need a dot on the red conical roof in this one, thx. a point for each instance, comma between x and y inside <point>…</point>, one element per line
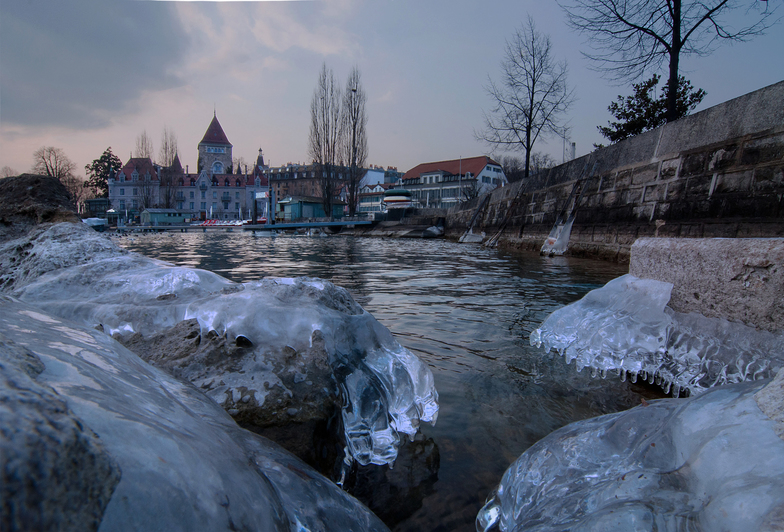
<point>215,134</point>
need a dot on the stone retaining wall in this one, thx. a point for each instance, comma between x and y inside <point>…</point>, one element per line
<point>717,173</point>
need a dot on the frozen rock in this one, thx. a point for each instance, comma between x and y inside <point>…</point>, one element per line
<point>712,463</point>
<point>626,327</point>
<point>265,341</point>
<point>56,473</point>
<point>186,465</point>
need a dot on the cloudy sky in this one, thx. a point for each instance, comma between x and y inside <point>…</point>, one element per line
<point>83,75</point>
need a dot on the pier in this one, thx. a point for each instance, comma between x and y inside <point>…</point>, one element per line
<point>249,227</point>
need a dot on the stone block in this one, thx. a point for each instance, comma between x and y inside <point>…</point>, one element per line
<point>645,174</point>
<point>769,179</point>
<point>669,168</point>
<point>622,179</point>
<point>699,185</point>
<point>734,182</point>
<point>676,189</point>
<point>719,230</point>
<point>609,198</point>
<point>643,212</point>
<point>654,192</point>
<point>722,158</point>
<point>739,279</point>
<point>763,150</point>
<point>693,164</point>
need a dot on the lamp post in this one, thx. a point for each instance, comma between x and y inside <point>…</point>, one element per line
<point>460,181</point>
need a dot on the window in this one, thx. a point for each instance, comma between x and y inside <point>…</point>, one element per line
<point>136,192</point>
<point>214,194</point>
<point>217,167</point>
<point>225,205</point>
<point>236,195</point>
<point>191,194</point>
<point>191,205</point>
<point>204,205</point>
<point>122,192</point>
<point>135,204</point>
<point>203,195</point>
<point>122,204</point>
<point>179,205</point>
<point>214,205</point>
<point>237,206</point>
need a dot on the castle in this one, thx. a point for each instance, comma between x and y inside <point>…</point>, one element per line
<point>216,191</point>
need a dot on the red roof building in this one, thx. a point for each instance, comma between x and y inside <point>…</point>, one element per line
<point>443,184</point>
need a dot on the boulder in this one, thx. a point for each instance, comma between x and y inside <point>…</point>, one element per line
<point>29,200</point>
<point>271,352</point>
<point>713,462</point>
<point>55,472</point>
<point>185,463</point>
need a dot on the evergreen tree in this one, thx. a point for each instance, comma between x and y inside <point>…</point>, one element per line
<point>99,170</point>
<point>643,110</point>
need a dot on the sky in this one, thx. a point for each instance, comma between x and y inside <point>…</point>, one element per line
<point>84,75</point>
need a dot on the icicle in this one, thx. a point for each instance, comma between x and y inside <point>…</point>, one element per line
<point>603,373</point>
<point>594,372</point>
<point>622,373</point>
<point>666,387</point>
<point>634,377</point>
<point>676,390</point>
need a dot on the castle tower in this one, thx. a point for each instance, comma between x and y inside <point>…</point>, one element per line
<point>215,150</point>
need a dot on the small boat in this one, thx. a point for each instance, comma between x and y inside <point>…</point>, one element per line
<point>397,198</point>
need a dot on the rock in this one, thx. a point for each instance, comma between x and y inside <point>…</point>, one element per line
<point>712,462</point>
<point>56,473</point>
<point>186,465</point>
<point>738,279</point>
<point>29,200</point>
<point>260,349</point>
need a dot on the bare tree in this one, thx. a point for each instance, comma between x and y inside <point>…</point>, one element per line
<point>7,171</point>
<point>168,147</point>
<point>51,161</point>
<point>633,37</point>
<point>354,146</point>
<point>540,162</point>
<point>531,97</point>
<point>144,146</point>
<point>325,120</point>
<point>469,190</point>
<point>75,187</point>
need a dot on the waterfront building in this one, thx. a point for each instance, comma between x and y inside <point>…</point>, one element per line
<point>442,184</point>
<point>371,198</point>
<point>216,191</point>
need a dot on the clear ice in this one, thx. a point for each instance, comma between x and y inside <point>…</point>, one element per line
<point>387,390</point>
<point>626,327</point>
<point>712,462</point>
<point>185,464</point>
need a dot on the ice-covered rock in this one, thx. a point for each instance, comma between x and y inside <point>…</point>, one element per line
<point>185,463</point>
<point>626,327</point>
<point>712,462</point>
<point>55,474</point>
<point>278,335</point>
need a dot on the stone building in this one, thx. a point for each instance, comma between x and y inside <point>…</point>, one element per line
<point>214,192</point>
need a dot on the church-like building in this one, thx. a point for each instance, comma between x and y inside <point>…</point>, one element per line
<point>216,191</point>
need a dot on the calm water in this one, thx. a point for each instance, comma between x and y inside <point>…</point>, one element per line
<point>468,313</point>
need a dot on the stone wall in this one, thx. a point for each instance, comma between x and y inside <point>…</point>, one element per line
<point>717,173</point>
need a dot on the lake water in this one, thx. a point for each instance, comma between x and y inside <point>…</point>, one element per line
<point>467,312</point>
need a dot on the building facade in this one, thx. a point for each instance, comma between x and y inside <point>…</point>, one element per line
<point>443,184</point>
<point>216,191</point>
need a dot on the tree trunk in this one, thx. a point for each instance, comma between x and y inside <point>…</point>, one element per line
<point>675,52</point>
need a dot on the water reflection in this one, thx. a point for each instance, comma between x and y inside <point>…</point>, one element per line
<point>467,312</point>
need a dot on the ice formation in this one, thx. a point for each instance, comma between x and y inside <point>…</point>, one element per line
<point>712,462</point>
<point>185,464</point>
<point>387,389</point>
<point>626,327</point>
